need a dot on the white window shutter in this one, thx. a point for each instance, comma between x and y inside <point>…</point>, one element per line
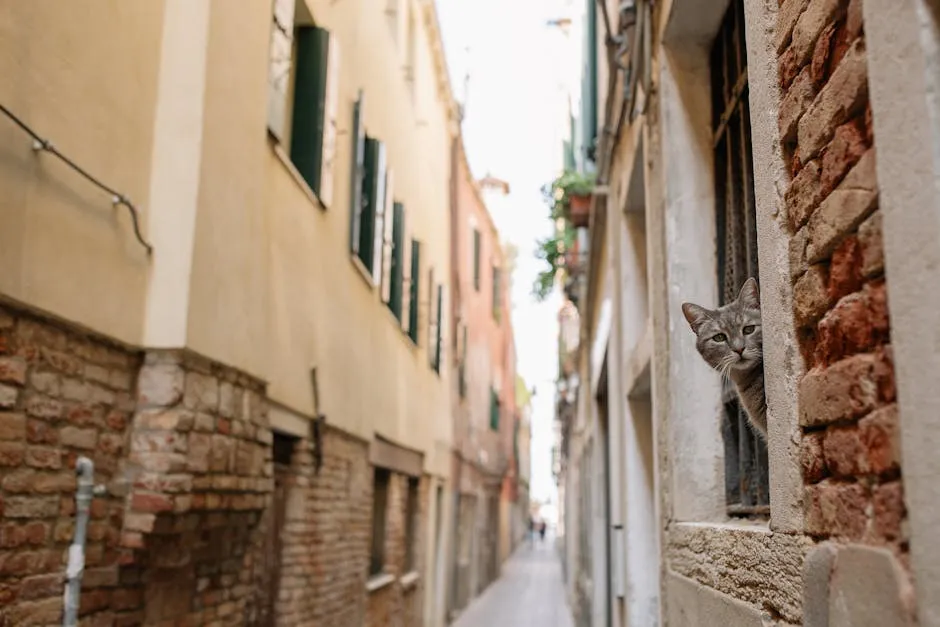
<point>386,235</point>
<point>380,214</point>
<point>328,171</point>
<point>279,69</point>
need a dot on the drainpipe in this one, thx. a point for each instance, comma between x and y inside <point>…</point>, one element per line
<point>85,492</point>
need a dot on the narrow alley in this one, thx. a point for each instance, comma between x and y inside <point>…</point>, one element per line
<point>529,593</point>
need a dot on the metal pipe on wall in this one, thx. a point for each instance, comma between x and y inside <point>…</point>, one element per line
<point>84,493</point>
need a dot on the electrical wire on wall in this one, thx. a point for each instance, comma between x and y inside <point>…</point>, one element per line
<point>117,199</point>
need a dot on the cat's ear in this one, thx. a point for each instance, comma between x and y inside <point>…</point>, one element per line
<point>750,294</point>
<point>695,315</point>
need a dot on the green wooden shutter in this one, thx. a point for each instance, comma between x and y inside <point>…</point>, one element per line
<point>306,144</point>
<point>369,199</point>
<point>440,323</point>
<point>497,293</point>
<point>357,176</point>
<point>462,374</point>
<point>415,284</point>
<point>397,274</point>
<point>476,259</point>
<point>494,410</point>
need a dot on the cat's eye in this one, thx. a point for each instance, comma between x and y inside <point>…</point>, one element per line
<point>748,329</point>
<point>721,337</point>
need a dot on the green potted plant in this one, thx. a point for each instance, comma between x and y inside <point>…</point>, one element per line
<point>553,250</point>
<point>570,195</point>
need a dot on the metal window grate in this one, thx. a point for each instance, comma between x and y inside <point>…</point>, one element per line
<point>746,468</point>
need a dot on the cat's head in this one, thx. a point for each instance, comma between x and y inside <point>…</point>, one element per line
<point>729,338</point>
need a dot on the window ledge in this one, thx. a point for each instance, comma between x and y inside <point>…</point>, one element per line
<point>295,174</point>
<point>409,580</point>
<point>377,582</point>
<point>362,270</point>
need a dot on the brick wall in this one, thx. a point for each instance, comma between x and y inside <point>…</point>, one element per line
<point>338,511</point>
<point>181,446</point>
<point>397,604</point>
<point>61,395</point>
<point>848,416</point>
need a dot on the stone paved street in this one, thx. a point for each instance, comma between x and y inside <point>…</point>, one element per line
<point>530,593</point>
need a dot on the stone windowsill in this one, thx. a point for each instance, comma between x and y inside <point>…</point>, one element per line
<point>409,580</point>
<point>377,582</point>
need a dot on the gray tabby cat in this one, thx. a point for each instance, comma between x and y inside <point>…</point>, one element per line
<point>729,339</point>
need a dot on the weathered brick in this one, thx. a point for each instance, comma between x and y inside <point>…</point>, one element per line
<point>843,210</point>
<point>836,509</point>
<point>44,407</point>
<point>845,274</point>
<point>40,432</point>
<point>812,457</point>
<point>13,370</point>
<point>853,19</point>
<point>151,502</point>
<point>78,437</point>
<point>858,323</point>
<point>228,399</point>
<point>844,390</point>
<point>787,16</point>
<point>44,612</point>
<point>870,239</point>
<point>12,426</point>
<point>27,480</point>
<point>31,506</point>
<point>810,295</point>
<point>797,250</point>
<point>45,382</point>
<point>844,451</point>
<point>819,64</point>
<point>42,587</point>
<point>8,396</point>
<point>111,444</point>
<point>81,415</point>
<point>846,148</point>
<point>171,419</point>
<point>795,102</point>
<point>43,457</point>
<point>815,18</point>
<point>160,384</point>
<point>843,96</point>
<point>11,453</point>
<point>202,392</point>
<point>889,510</point>
<point>879,433</point>
<point>803,195</point>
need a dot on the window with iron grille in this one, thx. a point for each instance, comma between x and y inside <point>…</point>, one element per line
<point>746,474</point>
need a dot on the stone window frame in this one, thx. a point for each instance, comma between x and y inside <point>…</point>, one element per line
<point>688,195</point>
<point>681,185</point>
<point>903,44</point>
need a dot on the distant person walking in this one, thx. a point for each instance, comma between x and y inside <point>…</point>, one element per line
<point>532,530</point>
<point>542,530</point>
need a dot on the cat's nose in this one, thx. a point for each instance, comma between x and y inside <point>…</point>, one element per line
<point>739,351</point>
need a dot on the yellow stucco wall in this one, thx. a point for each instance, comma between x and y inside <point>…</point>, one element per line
<point>274,289</point>
<point>271,287</point>
<point>83,75</point>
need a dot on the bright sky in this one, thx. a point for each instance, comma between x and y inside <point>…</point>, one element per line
<point>515,111</point>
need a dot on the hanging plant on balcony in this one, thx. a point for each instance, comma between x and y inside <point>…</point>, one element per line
<point>554,251</point>
<point>570,197</point>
